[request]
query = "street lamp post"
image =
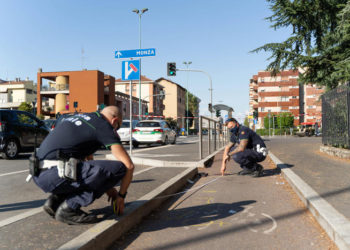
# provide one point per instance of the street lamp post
(34, 102)
(139, 13)
(187, 65)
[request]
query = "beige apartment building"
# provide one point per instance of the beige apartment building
(174, 101)
(151, 92)
(13, 93)
(284, 93)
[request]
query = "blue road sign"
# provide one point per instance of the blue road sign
(130, 70)
(135, 53)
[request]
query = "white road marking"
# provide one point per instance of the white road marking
(274, 226)
(35, 211)
(17, 172)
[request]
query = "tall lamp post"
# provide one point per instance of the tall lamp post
(34, 102)
(139, 13)
(187, 65)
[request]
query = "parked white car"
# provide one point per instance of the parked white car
(124, 132)
(154, 131)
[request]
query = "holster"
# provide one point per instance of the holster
(34, 168)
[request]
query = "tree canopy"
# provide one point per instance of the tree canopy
(319, 43)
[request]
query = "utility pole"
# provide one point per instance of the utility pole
(139, 13)
(187, 64)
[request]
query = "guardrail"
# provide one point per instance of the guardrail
(218, 135)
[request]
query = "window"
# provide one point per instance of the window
(294, 97)
(284, 98)
(262, 109)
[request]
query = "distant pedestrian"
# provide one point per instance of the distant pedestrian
(250, 149)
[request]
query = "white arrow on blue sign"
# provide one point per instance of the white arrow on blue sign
(135, 53)
(130, 70)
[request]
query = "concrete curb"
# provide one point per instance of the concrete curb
(103, 234)
(334, 223)
(338, 152)
(160, 163)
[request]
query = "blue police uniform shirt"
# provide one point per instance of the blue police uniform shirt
(78, 136)
(245, 133)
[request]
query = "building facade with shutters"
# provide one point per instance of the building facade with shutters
(272, 95)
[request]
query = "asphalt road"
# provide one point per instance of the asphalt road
(17, 196)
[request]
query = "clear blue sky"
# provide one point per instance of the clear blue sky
(215, 35)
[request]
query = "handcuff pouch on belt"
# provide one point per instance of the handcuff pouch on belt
(67, 169)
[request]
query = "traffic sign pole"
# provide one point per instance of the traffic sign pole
(130, 142)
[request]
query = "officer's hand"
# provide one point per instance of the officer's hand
(223, 168)
(226, 158)
(112, 194)
(120, 205)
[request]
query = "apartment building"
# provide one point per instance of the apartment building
(312, 104)
(151, 92)
(13, 93)
(284, 93)
(174, 101)
(70, 91)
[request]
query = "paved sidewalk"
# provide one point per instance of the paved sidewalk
(323, 182)
(230, 212)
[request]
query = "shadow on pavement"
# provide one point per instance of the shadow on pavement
(21, 205)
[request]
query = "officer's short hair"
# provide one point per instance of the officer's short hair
(231, 120)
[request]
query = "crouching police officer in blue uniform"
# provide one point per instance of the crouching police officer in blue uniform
(250, 150)
(67, 171)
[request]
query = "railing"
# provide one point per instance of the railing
(336, 117)
(217, 136)
(60, 87)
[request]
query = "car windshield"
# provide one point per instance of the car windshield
(125, 125)
(148, 124)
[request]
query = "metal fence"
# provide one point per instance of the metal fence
(212, 136)
(336, 117)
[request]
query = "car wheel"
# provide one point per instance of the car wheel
(174, 141)
(166, 140)
(11, 149)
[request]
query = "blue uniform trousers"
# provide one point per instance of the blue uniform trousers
(248, 158)
(94, 178)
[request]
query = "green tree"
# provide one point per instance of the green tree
(285, 120)
(171, 122)
(246, 122)
(193, 103)
(319, 42)
(25, 106)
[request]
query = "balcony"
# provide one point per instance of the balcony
(62, 88)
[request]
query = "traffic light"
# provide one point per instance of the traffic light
(171, 68)
(210, 107)
(218, 113)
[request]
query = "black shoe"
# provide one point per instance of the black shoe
(245, 171)
(258, 171)
(52, 203)
(74, 216)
